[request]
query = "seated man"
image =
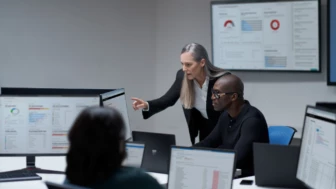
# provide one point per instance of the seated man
(239, 125)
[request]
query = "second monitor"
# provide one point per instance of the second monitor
(117, 99)
(316, 165)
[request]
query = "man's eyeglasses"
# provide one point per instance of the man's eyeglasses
(218, 94)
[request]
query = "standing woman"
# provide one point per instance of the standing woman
(192, 86)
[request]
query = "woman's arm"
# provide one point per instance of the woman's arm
(167, 100)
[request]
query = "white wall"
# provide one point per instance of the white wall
(136, 45)
(282, 97)
(79, 44)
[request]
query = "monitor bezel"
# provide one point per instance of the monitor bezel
(51, 96)
(218, 2)
(302, 133)
(204, 149)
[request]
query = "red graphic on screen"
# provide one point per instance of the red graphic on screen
(275, 24)
(215, 178)
(228, 23)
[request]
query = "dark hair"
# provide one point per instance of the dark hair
(97, 148)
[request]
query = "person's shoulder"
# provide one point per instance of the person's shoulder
(180, 73)
(254, 112)
(131, 172)
(136, 178)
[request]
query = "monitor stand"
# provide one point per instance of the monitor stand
(32, 168)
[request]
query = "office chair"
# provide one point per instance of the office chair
(282, 135)
(52, 185)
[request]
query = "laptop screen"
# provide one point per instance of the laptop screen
(316, 166)
(135, 152)
(195, 168)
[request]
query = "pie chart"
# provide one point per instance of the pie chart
(275, 25)
(15, 111)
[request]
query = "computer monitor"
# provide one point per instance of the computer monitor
(316, 164)
(328, 105)
(266, 35)
(135, 152)
(197, 168)
(117, 99)
(38, 125)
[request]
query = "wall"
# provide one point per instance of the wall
(124, 43)
(282, 97)
(79, 44)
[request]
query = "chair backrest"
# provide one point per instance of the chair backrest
(282, 135)
(53, 185)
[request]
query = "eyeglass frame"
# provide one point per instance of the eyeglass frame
(218, 94)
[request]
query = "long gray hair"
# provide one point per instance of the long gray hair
(187, 95)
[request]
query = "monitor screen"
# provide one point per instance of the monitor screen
(135, 152)
(316, 166)
(266, 35)
(38, 125)
(332, 42)
(211, 168)
(117, 99)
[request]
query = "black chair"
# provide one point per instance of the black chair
(52, 185)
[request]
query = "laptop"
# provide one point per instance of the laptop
(135, 152)
(198, 168)
(275, 165)
(52, 185)
(157, 150)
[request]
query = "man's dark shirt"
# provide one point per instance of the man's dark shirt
(239, 134)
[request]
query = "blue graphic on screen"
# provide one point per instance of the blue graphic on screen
(332, 39)
(246, 26)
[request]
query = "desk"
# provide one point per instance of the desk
(52, 163)
(60, 178)
(236, 184)
(59, 164)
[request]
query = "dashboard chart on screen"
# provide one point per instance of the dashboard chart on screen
(266, 35)
(39, 125)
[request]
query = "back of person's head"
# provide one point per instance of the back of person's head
(97, 147)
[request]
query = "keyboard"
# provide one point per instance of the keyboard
(18, 176)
